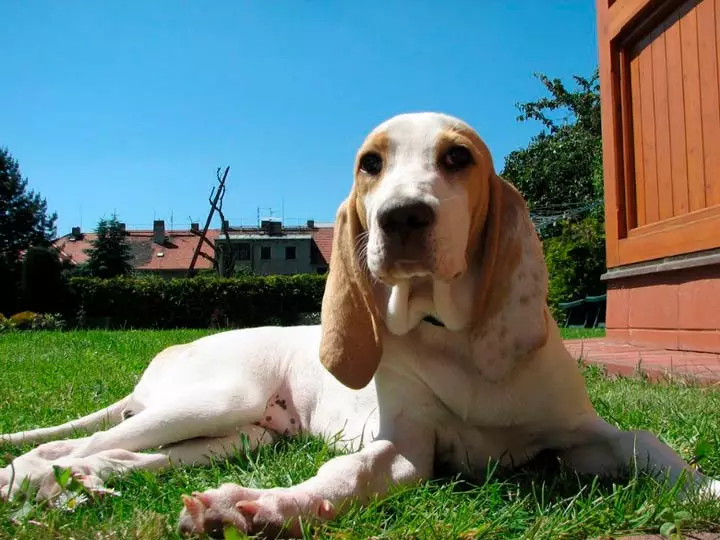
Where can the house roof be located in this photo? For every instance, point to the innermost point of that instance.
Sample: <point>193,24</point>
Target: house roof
<point>246,236</point>
<point>323,237</point>
<point>178,250</point>
<point>176,254</point>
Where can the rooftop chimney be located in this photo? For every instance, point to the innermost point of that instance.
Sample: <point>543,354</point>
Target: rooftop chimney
<point>195,227</point>
<point>310,223</point>
<point>123,228</point>
<point>76,234</point>
<point>159,231</point>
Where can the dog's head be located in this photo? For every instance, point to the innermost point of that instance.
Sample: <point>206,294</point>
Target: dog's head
<point>426,206</point>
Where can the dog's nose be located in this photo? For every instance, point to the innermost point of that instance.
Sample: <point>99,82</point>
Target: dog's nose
<point>407,218</point>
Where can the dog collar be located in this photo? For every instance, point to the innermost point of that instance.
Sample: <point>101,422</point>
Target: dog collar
<point>432,320</point>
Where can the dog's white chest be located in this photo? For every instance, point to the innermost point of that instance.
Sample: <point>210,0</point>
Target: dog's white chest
<point>474,419</point>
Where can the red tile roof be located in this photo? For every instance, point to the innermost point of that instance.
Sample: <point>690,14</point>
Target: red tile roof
<point>323,238</point>
<point>176,254</point>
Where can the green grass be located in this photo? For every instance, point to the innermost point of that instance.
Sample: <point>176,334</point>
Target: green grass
<point>52,377</point>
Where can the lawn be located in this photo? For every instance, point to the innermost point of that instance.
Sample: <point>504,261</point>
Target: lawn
<point>52,377</point>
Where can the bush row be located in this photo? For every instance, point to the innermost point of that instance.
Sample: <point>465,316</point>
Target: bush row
<point>191,303</point>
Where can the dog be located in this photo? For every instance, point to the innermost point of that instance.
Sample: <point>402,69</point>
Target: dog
<point>436,297</point>
<point>436,346</point>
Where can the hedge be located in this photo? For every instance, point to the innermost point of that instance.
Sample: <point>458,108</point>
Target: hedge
<point>192,303</point>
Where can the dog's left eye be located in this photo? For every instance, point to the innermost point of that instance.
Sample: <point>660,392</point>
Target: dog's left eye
<point>457,158</point>
<point>371,163</point>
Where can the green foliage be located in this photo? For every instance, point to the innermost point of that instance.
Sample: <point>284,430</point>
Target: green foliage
<point>575,256</point>
<point>243,270</point>
<point>24,222</point>
<point>561,169</point>
<point>194,303</point>
<point>78,270</point>
<point>42,281</point>
<point>556,168</point>
<point>110,254</point>
<point>575,260</point>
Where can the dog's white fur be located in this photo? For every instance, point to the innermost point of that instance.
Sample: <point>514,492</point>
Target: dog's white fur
<point>196,400</point>
<point>495,383</point>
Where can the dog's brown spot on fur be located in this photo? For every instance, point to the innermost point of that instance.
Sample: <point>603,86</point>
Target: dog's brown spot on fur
<point>292,420</point>
<point>268,418</point>
<point>282,403</point>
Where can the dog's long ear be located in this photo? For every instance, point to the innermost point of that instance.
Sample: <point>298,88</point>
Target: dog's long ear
<point>350,346</point>
<point>510,315</point>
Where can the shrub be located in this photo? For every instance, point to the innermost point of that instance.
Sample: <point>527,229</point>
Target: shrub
<point>575,260</point>
<point>29,320</point>
<point>198,302</point>
<point>42,280</point>
<point>23,320</point>
<point>575,252</point>
<point>48,321</point>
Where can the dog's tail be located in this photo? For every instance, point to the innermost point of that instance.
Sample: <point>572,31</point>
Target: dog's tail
<point>110,416</point>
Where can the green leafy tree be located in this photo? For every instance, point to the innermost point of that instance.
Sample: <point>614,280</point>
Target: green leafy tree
<point>110,254</point>
<point>24,222</point>
<point>556,169</point>
<point>560,175</point>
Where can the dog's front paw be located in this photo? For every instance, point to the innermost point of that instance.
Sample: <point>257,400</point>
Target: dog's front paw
<point>274,513</point>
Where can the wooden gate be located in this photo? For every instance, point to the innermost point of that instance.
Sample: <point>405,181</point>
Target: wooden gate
<point>660,95</point>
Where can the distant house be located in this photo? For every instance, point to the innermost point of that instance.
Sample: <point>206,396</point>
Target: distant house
<point>168,253</point>
<point>272,249</point>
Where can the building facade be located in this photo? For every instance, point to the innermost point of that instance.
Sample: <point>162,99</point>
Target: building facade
<point>660,96</point>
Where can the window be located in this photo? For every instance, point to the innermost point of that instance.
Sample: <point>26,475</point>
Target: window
<point>265,253</point>
<point>290,253</point>
<point>242,251</point>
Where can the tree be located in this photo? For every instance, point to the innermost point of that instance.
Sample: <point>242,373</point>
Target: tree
<point>560,175</point>
<point>42,283</point>
<point>556,168</point>
<point>110,254</point>
<point>24,222</point>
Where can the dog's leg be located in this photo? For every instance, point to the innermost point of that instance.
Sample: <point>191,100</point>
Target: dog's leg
<point>37,459</point>
<point>197,416</point>
<point>603,449</point>
<point>350,478</point>
<point>110,415</point>
<point>94,469</point>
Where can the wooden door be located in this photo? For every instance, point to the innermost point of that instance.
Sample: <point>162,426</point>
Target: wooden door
<point>660,95</point>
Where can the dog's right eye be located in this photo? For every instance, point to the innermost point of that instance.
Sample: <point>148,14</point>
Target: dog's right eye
<point>457,158</point>
<point>371,163</point>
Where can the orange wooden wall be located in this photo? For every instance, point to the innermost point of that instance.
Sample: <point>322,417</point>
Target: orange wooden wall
<point>660,93</point>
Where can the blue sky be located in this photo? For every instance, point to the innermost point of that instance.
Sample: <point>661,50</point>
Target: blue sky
<point>130,106</point>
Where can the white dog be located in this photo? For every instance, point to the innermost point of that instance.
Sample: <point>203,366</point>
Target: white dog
<point>434,311</point>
